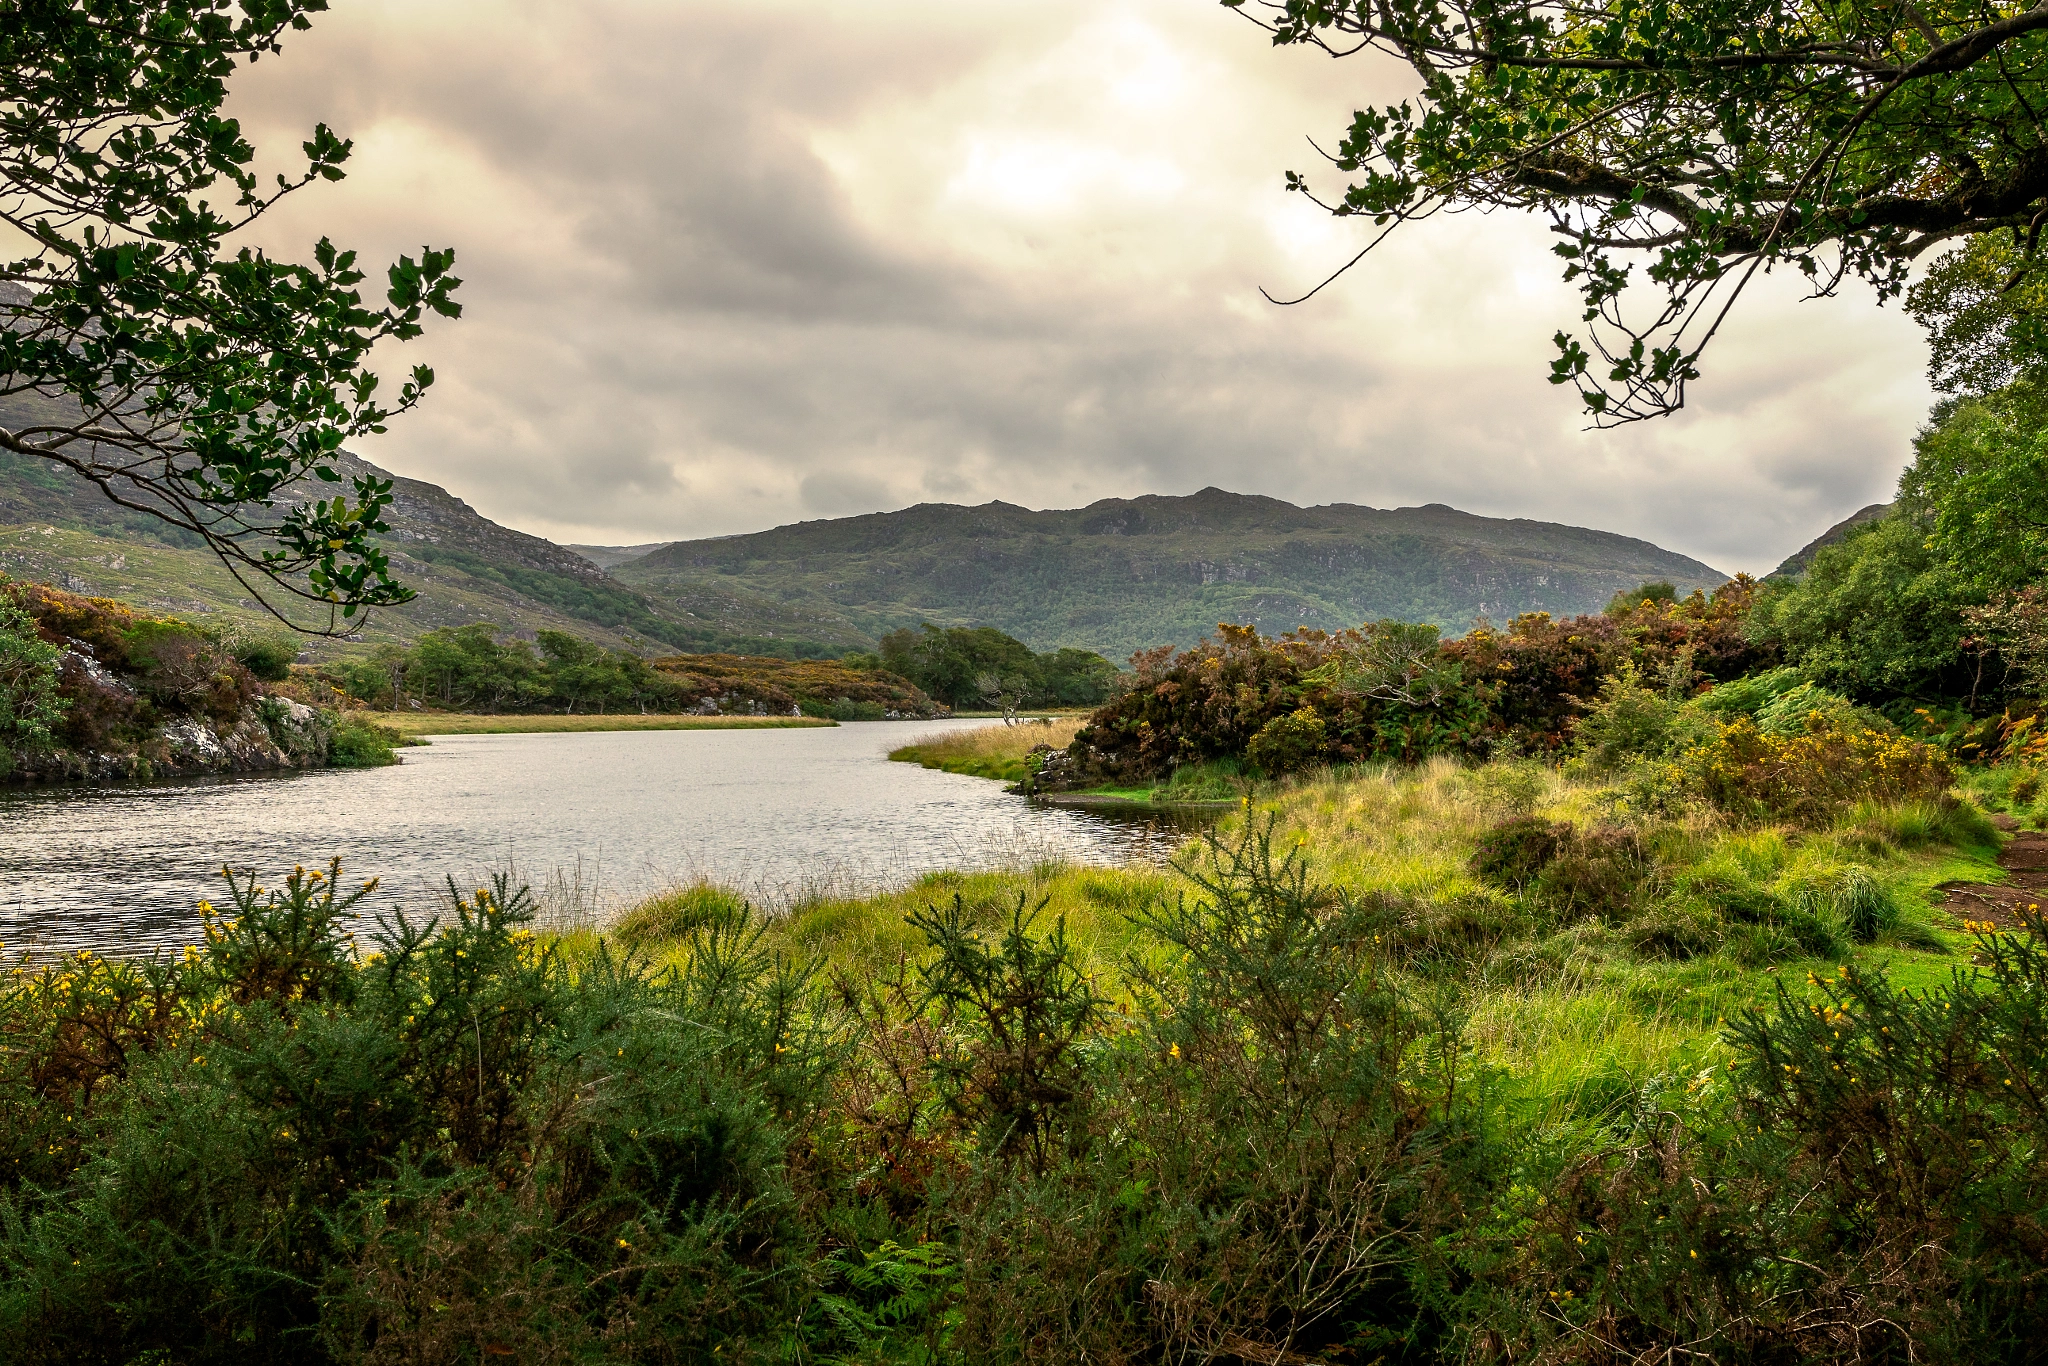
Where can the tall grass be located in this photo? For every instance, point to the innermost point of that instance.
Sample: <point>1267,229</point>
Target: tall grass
<point>998,751</point>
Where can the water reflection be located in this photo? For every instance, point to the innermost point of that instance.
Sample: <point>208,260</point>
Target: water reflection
<point>593,818</point>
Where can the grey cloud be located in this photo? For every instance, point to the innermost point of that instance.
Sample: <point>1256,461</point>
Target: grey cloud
<point>685,319</point>
<point>839,493</point>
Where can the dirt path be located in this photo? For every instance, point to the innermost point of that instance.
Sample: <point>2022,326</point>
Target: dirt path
<point>2026,859</point>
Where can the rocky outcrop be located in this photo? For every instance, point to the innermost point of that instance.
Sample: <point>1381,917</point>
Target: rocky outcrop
<point>154,697</point>
<point>268,734</point>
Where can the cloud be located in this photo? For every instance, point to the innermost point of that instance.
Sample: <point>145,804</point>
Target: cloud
<point>726,267</point>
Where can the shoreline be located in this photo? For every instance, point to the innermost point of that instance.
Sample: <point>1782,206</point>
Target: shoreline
<point>416,725</point>
<point>1119,801</point>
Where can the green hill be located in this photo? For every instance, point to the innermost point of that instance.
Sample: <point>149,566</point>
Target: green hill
<point>58,529</point>
<point>1113,577</point>
<point>1125,574</point>
<point>1796,563</point>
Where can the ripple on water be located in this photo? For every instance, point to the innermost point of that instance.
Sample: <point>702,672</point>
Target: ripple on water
<point>597,817</point>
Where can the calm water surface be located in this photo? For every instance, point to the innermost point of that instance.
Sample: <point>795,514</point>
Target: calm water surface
<point>590,819</point>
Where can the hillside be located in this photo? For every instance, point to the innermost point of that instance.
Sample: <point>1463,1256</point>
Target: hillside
<point>1125,574</point>
<point>1795,564</point>
<point>56,528</point>
<point>1113,577</point>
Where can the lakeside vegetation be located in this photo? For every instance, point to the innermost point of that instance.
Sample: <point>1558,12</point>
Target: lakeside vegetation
<point>982,667</point>
<point>1002,752</point>
<point>478,669</point>
<point>1375,1075</point>
<point>94,688</point>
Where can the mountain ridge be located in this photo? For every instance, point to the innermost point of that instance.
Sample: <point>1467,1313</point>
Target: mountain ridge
<point>1117,575</point>
<point>1122,574</point>
<point>1796,564</point>
<point>58,528</point>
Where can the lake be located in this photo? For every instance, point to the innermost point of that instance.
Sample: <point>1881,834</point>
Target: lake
<point>591,820</point>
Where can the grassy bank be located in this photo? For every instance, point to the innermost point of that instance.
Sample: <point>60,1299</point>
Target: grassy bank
<point>1653,950</point>
<point>463,723</point>
<point>1000,751</point>
<point>1004,753</point>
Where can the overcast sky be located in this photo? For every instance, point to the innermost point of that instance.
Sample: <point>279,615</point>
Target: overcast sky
<point>729,266</point>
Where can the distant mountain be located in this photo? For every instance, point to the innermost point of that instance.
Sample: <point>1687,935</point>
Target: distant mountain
<point>1125,574</point>
<point>59,529</point>
<point>611,556</point>
<point>1118,575</point>
<point>1796,563</point>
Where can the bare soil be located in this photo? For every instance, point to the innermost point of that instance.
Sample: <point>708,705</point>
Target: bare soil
<point>2025,859</point>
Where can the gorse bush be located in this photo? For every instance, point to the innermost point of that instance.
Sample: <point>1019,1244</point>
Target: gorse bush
<point>280,1148</point>
<point>1287,744</point>
<point>1862,1183</point>
<point>1815,771</point>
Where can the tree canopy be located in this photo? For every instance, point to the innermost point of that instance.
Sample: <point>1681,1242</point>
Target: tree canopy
<point>1702,140</point>
<point>188,378</point>
<point>979,666</point>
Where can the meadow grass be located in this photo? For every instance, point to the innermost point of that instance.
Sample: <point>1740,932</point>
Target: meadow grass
<point>1560,1019</point>
<point>462,723</point>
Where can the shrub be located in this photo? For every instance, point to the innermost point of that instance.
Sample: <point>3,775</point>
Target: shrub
<point>184,670</point>
<point>1631,722</point>
<point>369,682</point>
<point>1288,744</point>
<point>1014,1014</point>
<point>1809,775</point>
<point>1507,788</point>
<point>268,658</point>
<point>357,743</point>
<point>1515,852</point>
<point>1631,600</point>
<point>30,704</point>
<point>1863,1186</point>
<point>444,1148</point>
